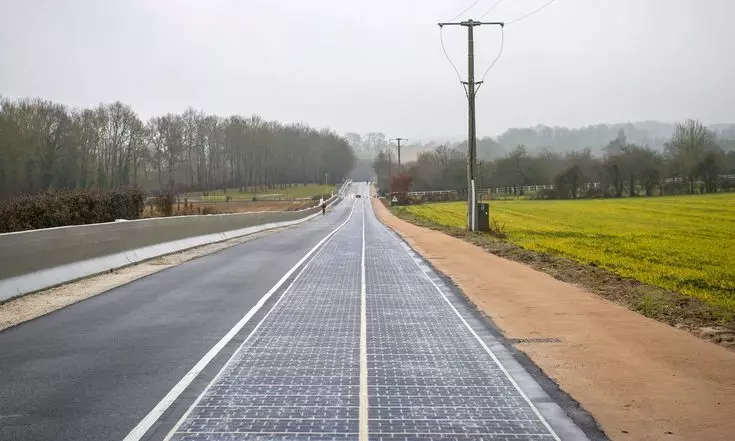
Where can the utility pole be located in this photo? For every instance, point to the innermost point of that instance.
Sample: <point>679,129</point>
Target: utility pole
<point>398,140</point>
<point>390,174</point>
<point>471,131</point>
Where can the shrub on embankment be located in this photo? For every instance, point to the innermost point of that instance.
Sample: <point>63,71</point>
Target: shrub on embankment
<point>69,207</point>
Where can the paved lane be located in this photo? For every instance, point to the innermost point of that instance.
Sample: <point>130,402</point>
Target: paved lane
<point>297,376</point>
<point>430,377</point>
<point>93,370</point>
<point>366,345</point>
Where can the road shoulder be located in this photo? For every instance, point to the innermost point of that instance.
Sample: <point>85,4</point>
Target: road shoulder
<point>642,380</point>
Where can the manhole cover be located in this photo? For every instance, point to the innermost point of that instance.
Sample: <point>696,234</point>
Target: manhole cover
<point>534,340</point>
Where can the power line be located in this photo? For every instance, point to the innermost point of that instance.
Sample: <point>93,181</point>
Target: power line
<point>502,35</point>
<point>490,10</point>
<point>441,39</point>
<point>523,17</point>
<point>500,52</point>
<point>466,9</point>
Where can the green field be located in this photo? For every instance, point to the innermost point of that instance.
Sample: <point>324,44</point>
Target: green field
<point>682,243</point>
<point>297,191</point>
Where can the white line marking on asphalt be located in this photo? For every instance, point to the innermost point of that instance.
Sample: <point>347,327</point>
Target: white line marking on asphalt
<point>406,248</point>
<point>363,413</point>
<point>149,420</point>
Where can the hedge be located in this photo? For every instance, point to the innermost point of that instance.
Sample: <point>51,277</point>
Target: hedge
<point>69,207</point>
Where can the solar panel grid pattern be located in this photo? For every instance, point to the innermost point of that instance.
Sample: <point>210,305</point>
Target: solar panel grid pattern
<point>297,377</point>
<point>429,378</point>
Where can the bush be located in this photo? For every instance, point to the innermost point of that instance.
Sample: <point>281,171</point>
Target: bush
<point>548,194</point>
<point>401,183</point>
<point>209,210</point>
<point>593,193</point>
<point>674,188</point>
<point>401,199</point>
<point>72,207</point>
<point>497,229</point>
<point>165,204</point>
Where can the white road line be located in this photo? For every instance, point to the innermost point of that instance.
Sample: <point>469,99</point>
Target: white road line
<point>479,339</point>
<point>147,422</point>
<point>363,413</point>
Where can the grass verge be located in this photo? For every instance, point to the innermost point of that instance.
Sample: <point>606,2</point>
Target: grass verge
<point>294,191</point>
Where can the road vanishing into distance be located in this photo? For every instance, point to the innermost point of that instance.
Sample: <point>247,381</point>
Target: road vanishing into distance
<point>332,330</point>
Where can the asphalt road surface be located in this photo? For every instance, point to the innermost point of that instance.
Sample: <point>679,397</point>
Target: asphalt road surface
<point>357,338</point>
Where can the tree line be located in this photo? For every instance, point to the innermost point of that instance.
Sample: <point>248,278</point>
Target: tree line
<point>46,145</point>
<point>646,133</point>
<point>693,160</point>
<point>653,134</point>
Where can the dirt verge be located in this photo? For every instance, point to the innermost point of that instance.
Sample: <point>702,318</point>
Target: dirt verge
<point>640,378</point>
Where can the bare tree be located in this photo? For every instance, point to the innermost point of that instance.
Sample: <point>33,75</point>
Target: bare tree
<point>689,145</point>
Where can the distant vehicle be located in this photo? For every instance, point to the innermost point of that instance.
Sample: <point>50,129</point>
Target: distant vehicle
<point>358,195</point>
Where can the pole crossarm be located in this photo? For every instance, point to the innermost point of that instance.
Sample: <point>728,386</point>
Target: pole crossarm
<point>472,23</point>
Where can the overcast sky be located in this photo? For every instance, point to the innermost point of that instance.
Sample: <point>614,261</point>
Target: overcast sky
<point>377,65</point>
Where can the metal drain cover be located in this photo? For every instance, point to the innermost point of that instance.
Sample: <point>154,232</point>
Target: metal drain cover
<point>534,340</point>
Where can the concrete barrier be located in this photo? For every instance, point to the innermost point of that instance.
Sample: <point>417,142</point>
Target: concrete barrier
<point>39,259</point>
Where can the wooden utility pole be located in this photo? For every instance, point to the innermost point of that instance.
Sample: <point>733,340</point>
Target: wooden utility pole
<point>471,129</point>
<point>390,174</point>
<point>398,140</point>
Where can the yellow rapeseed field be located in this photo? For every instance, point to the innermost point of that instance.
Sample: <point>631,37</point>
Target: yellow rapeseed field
<point>681,243</point>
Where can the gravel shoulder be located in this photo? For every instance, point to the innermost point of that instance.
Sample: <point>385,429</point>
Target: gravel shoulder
<point>640,378</point>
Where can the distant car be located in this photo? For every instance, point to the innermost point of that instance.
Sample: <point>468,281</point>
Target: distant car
<point>358,195</point>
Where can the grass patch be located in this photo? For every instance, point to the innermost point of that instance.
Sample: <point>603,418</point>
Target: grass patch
<point>652,304</point>
<point>297,191</point>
